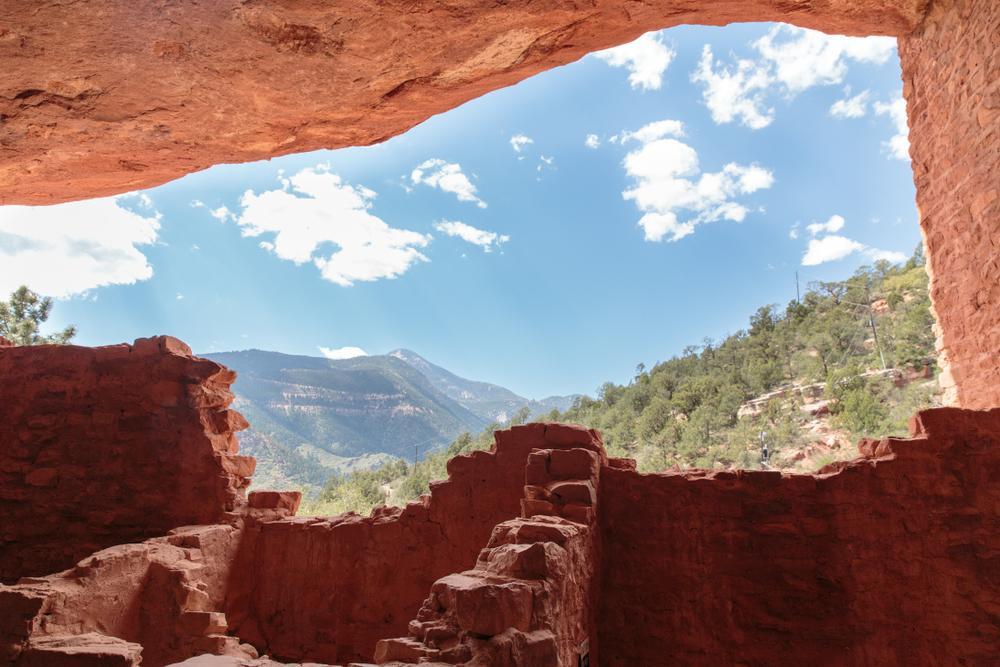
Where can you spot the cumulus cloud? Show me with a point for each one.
(829, 249)
(646, 59)
(851, 107)
(221, 213)
(653, 131)
(899, 145)
(67, 249)
(342, 352)
(485, 239)
(789, 61)
(834, 224)
(519, 141)
(833, 247)
(592, 141)
(314, 208)
(735, 93)
(668, 180)
(448, 177)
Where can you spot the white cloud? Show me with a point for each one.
(807, 58)
(834, 224)
(793, 231)
(545, 163)
(833, 247)
(342, 352)
(829, 249)
(519, 141)
(888, 255)
(222, 213)
(315, 207)
(592, 141)
(789, 61)
(448, 177)
(735, 93)
(67, 249)
(485, 239)
(851, 107)
(646, 59)
(899, 145)
(180, 297)
(667, 180)
(653, 131)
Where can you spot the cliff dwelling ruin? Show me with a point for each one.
(127, 535)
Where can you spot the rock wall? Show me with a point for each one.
(328, 589)
(531, 598)
(92, 106)
(951, 79)
(155, 602)
(108, 445)
(889, 559)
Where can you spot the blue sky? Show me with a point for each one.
(666, 192)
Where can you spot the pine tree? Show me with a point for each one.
(22, 316)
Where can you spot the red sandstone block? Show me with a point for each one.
(576, 492)
(567, 435)
(536, 493)
(541, 529)
(524, 561)
(574, 464)
(158, 344)
(90, 650)
(203, 622)
(486, 606)
(275, 500)
(536, 473)
(401, 649)
(622, 464)
(530, 507)
(578, 513)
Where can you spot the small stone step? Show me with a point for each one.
(90, 650)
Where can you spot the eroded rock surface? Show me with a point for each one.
(888, 559)
(328, 588)
(108, 445)
(532, 555)
(104, 96)
(951, 80)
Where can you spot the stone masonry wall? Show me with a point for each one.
(887, 560)
(327, 589)
(108, 445)
(531, 597)
(951, 80)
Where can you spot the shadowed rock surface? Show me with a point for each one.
(530, 554)
(107, 96)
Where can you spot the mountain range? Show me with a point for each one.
(313, 417)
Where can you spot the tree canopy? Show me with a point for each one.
(23, 314)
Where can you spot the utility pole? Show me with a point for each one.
(798, 299)
(415, 449)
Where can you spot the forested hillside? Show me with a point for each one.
(684, 412)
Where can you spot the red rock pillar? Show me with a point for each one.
(951, 80)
